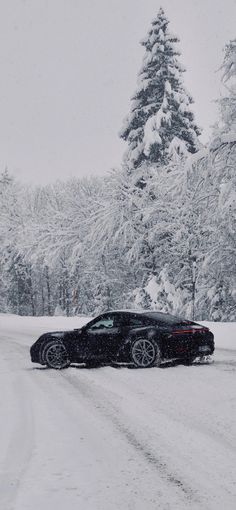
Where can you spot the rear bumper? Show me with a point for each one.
(206, 344)
(203, 346)
(194, 346)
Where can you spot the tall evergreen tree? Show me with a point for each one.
(227, 102)
(161, 121)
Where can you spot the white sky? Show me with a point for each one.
(69, 68)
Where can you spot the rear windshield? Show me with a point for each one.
(165, 318)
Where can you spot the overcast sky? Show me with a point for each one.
(69, 68)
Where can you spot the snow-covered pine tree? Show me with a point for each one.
(161, 120)
(211, 191)
(227, 103)
(222, 155)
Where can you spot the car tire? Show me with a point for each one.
(145, 353)
(55, 355)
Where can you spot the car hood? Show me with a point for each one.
(61, 334)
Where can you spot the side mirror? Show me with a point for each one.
(80, 329)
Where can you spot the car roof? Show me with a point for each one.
(153, 314)
(129, 310)
(138, 311)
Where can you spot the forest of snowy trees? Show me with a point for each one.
(159, 232)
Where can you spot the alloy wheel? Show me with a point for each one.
(144, 353)
(56, 356)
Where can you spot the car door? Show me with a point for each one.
(99, 337)
(113, 341)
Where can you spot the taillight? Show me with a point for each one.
(194, 329)
(182, 331)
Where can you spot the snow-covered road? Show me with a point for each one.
(114, 438)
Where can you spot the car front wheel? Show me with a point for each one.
(56, 356)
(145, 353)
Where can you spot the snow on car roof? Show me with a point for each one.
(130, 310)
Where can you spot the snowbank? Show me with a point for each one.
(224, 333)
(29, 328)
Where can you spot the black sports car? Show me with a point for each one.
(142, 338)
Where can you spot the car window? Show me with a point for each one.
(165, 319)
(121, 319)
(136, 322)
(103, 323)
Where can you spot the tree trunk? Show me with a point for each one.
(48, 291)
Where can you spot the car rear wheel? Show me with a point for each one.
(56, 356)
(145, 353)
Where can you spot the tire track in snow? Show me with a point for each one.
(168, 465)
(110, 411)
(136, 485)
(20, 447)
(184, 418)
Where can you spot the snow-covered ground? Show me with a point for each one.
(115, 438)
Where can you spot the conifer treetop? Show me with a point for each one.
(161, 106)
(226, 128)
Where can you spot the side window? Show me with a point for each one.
(137, 322)
(102, 323)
